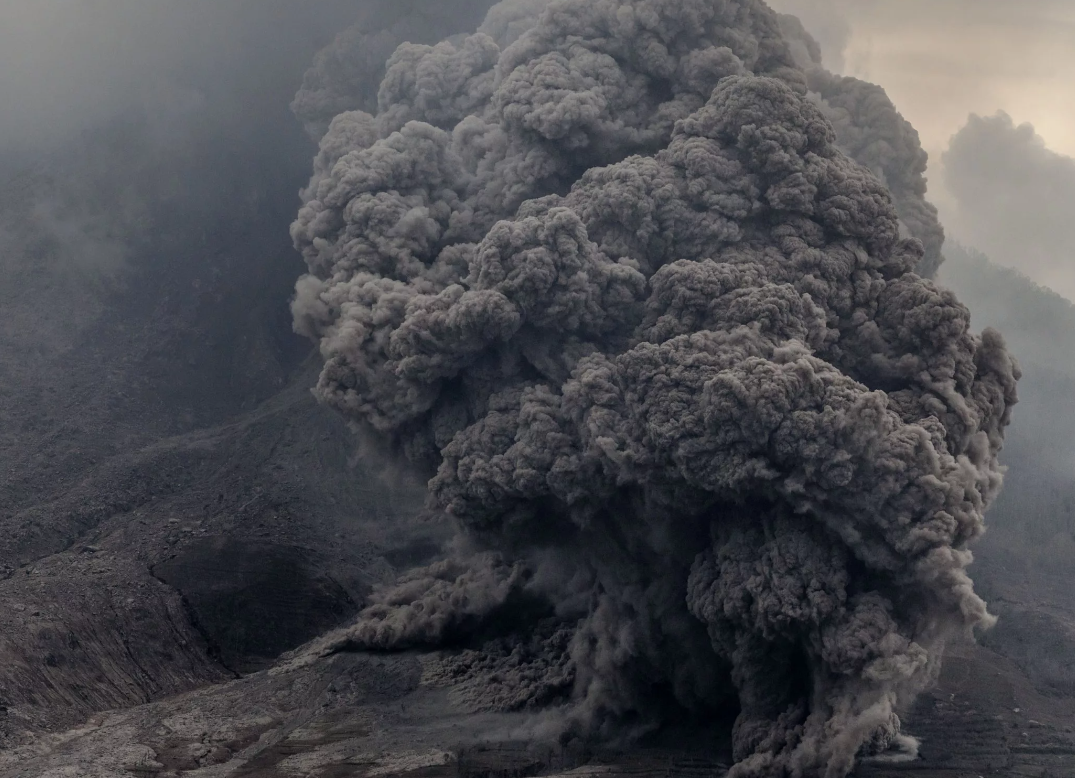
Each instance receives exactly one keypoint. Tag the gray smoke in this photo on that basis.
(345, 74)
(507, 21)
(1015, 196)
(871, 131)
(828, 24)
(660, 344)
(508, 674)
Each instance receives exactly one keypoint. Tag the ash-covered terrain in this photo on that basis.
(640, 286)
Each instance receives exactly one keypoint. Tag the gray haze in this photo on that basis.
(1014, 198)
(827, 23)
(149, 170)
(135, 137)
(68, 66)
(657, 341)
(111, 111)
(940, 61)
(149, 167)
(1026, 562)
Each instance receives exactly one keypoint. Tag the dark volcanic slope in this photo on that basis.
(363, 715)
(174, 506)
(180, 562)
(173, 503)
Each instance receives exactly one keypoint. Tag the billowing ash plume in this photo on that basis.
(1016, 197)
(660, 342)
(871, 131)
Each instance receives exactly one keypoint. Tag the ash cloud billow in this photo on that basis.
(345, 74)
(660, 345)
(872, 131)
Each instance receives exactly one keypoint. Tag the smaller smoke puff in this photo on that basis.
(661, 344)
(506, 22)
(437, 604)
(508, 674)
(1015, 196)
(345, 75)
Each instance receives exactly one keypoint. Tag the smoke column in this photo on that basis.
(829, 25)
(871, 131)
(660, 345)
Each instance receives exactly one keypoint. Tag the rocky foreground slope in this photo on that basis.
(397, 715)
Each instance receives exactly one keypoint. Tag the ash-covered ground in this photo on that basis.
(181, 518)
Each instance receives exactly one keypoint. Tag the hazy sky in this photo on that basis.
(1008, 192)
(941, 60)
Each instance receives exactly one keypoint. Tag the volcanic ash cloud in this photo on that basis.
(660, 344)
(871, 131)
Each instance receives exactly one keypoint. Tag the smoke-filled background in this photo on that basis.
(149, 165)
(942, 61)
(672, 376)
